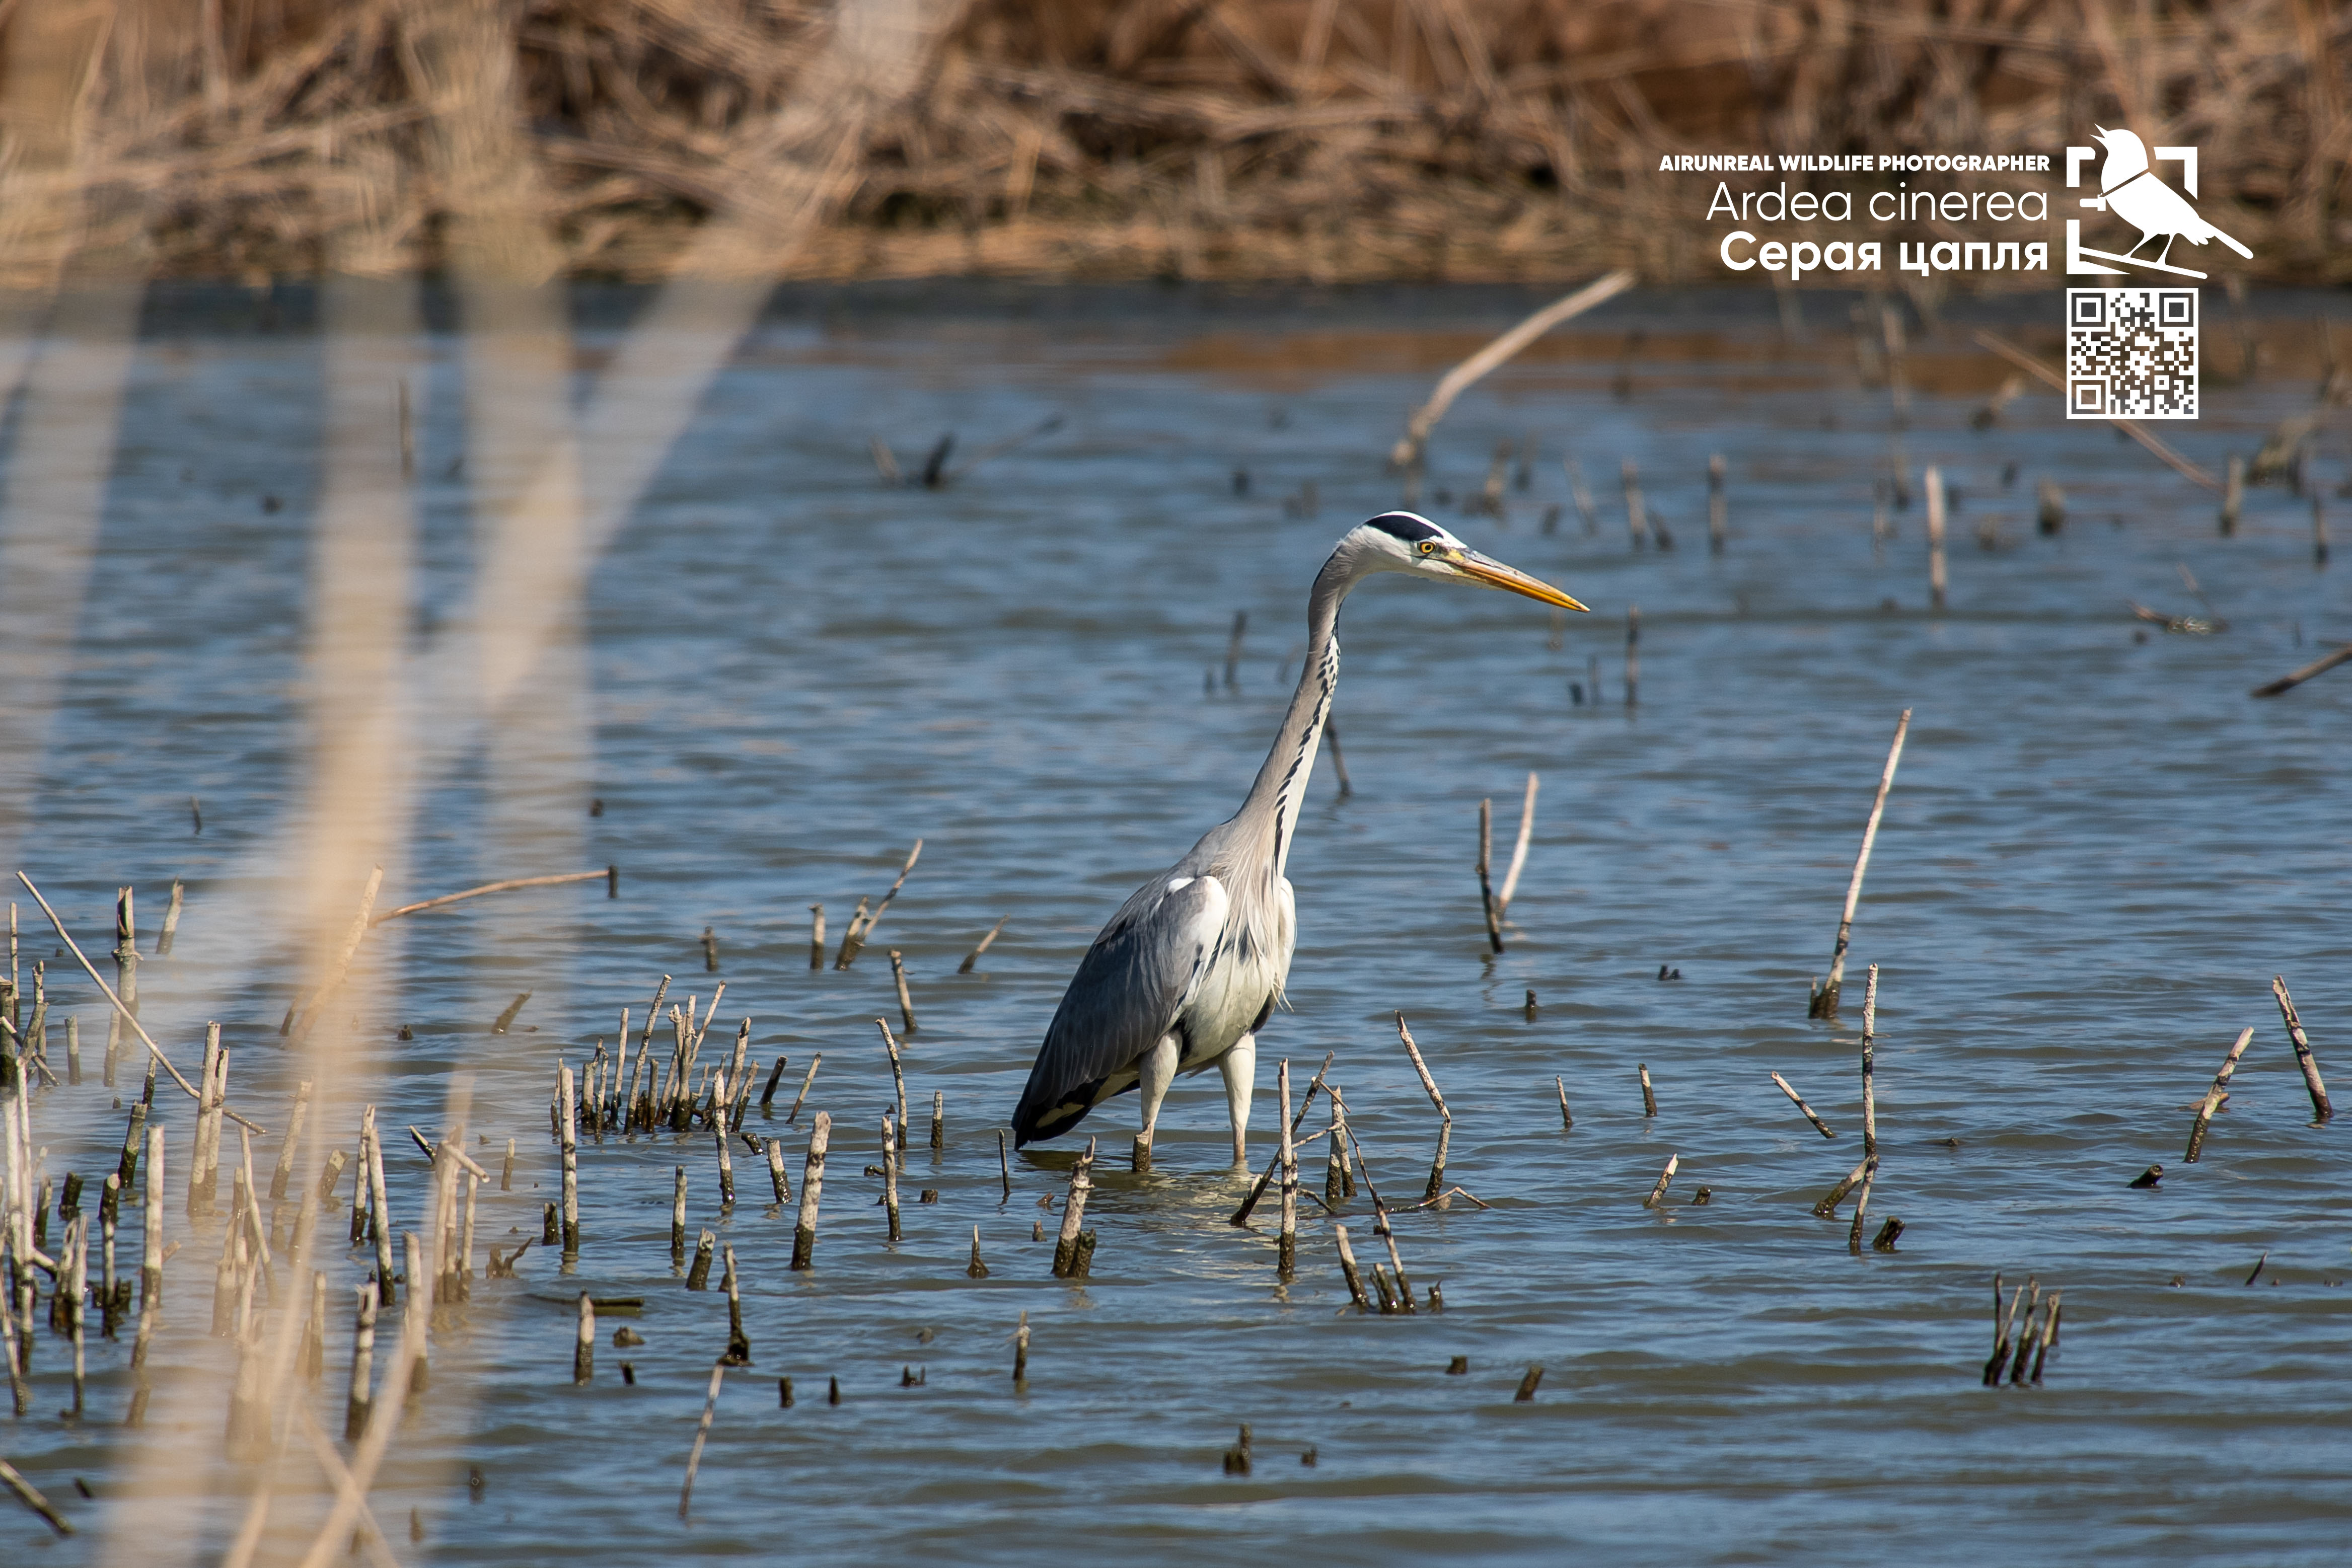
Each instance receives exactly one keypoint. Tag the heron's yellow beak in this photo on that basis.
(1492, 573)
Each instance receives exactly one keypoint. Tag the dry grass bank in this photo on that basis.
(1330, 140)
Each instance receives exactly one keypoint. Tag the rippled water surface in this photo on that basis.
(2096, 854)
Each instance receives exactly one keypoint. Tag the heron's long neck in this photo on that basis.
(1272, 808)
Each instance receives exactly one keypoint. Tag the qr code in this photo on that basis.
(2131, 353)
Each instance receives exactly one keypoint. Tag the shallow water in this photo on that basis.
(2096, 854)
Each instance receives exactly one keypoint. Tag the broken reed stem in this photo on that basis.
(1407, 452)
(1861, 1205)
(1566, 1120)
(1273, 1165)
(1486, 883)
(973, 956)
(1003, 1164)
(862, 924)
(739, 1344)
(1066, 1262)
(1445, 1116)
(380, 1212)
(570, 1149)
(600, 873)
(583, 1343)
(1796, 1099)
(2215, 1095)
(806, 1079)
(1286, 1247)
(1518, 850)
(775, 1148)
(816, 935)
(1348, 1268)
(890, 1172)
(811, 1189)
(726, 1164)
(294, 1119)
(898, 978)
(2002, 1326)
(702, 1436)
(1827, 1208)
(1825, 1001)
(898, 1077)
(1649, 1095)
(678, 1217)
(2321, 1109)
(1869, 1062)
(1665, 1178)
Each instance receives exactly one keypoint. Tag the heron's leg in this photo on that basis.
(1157, 1070)
(1240, 1067)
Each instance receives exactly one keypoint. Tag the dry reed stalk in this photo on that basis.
(726, 1166)
(1286, 1247)
(583, 1343)
(1869, 1065)
(2215, 1095)
(1409, 446)
(31, 1495)
(1649, 1096)
(862, 924)
(380, 1212)
(678, 1218)
(811, 1189)
(602, 873)
(2051, 378)
(973, 956)
(1825, 1000)
(898, 1078)
(1861, 1205)
(1518, 850)
(775, 1152)
(570, 1146)
(1445, 1116)
(1485, 885)
(2321, 1109)
(358, 1401)
(122, 1010)
(2318, 666)
(808, 1078)
(898, 978)
(1665, 1179)
(890, 1172)
(1347, 1269)
(739, 1344)
(1797, 1099)
(283, 1173)
(702, 1436)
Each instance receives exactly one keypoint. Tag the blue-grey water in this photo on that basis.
(2097, 852)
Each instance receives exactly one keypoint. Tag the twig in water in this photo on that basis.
(862, 924)
(809, 1077)
(2318, 666)
(1807, 1111)
(1518, 850)
(1649, 1097)
(1485, 883)
(906, 1004)
(973, 956)
(1407, 452)
(1825, 1000)
(2321, 1109)
(506, 886)
(1445, 1116)
(2055, 382)
(1658, 1192)
(702, 1436)
(2215, 1095)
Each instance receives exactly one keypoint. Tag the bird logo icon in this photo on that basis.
(2130, 188)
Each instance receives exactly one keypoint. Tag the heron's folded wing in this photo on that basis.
(1124, 997)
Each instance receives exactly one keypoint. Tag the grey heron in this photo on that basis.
(1190, 967)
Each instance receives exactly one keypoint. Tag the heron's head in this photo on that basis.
(1407, 541)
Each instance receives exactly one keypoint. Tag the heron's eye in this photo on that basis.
(1429, 546)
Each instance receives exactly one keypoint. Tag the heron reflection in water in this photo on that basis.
(1189, 969)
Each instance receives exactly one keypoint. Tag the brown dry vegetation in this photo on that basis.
(1326, 140)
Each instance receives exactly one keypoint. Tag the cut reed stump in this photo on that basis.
(972, 958)
(1665, 1178)
(584, 1344)
(1349, 1270)
(2215, 1095)
(2321, 1109)
(811, 1189)
(1824, 1004)
(1070, 1247)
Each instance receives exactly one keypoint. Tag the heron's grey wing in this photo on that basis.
(1125, 995)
